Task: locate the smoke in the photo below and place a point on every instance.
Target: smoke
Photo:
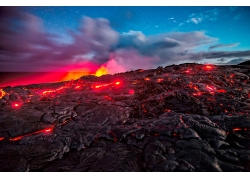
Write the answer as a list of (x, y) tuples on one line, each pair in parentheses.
[(26, 46)]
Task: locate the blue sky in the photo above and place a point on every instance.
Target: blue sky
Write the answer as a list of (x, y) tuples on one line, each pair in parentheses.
[(229, 24), (53, 37)]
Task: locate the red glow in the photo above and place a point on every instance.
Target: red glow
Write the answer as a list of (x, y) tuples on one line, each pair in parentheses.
[(131, 91), (197, 94), (188, 71), (117, 83), (16, 105), (211, 88), (146, 79), (77, 87), (108, 98), (221, 91), (159, 80), (1, 138), (37, 132)]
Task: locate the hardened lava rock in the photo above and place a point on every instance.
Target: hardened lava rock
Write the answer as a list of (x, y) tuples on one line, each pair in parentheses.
[(188, 117)]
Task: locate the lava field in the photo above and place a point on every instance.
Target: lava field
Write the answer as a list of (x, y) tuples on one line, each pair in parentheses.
[(188, 117)]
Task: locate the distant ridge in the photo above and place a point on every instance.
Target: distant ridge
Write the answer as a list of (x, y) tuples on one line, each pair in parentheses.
[(245, 63)]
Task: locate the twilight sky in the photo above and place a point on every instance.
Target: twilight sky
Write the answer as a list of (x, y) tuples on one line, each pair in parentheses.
[(72, 38)]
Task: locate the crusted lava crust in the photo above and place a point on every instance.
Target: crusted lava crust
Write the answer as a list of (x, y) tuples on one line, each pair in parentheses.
[(187, 117)]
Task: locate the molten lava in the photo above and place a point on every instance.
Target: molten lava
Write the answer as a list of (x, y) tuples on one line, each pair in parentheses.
[(37, 132), (101, 71), (2, 93)]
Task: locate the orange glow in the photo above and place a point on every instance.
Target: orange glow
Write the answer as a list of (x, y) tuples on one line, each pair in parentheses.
[(146, 79), (101, 71), (2, 93), (51, 91), (237, 129), (159, 80), (74, 75), (117, 83)]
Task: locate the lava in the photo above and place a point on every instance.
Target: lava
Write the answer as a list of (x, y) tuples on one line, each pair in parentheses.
[(241, 129), (208, 67), (2, 93), (1, 138), (101, 71), (131, 91), (117, 83), (37, 132), (160, 80)]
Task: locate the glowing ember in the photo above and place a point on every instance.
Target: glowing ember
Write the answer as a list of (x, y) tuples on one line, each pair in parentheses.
[(210, 88), (159, 80), (77, 87), (52, 91), (208, 67), (2, 93), (118, 83), (101, 71), (240, 129), (131, 91), (1, 138), (146, 79), (221, 91)]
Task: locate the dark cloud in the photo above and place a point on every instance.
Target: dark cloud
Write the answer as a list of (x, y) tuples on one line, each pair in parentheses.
[(226, 54), (223, 45), (26, 46), (221, 60), (237, 61)]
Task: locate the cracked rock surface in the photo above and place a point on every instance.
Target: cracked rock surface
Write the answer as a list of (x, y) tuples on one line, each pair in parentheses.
[(187, 117)]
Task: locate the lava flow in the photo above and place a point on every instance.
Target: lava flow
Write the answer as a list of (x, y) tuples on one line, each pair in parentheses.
[(46, 130), (142, 118)]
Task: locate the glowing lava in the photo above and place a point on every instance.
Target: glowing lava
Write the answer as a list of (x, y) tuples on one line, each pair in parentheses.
[(1, 138), (208, 67), (2, 93), (117, 83), (131, 91), (37, 132), (101, 71)]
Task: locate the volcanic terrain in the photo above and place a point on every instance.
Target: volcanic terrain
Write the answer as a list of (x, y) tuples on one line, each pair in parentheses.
[(188, 117)]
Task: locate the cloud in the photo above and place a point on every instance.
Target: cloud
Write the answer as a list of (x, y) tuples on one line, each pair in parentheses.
[(226, 54), (223, 45), (196, 18), (221, 60), (237, 61), (26, 46)]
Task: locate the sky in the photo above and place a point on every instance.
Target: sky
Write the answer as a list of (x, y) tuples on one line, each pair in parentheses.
[(121, 38)]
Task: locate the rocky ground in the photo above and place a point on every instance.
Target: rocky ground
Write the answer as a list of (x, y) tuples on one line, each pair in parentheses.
[(187, 117)]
